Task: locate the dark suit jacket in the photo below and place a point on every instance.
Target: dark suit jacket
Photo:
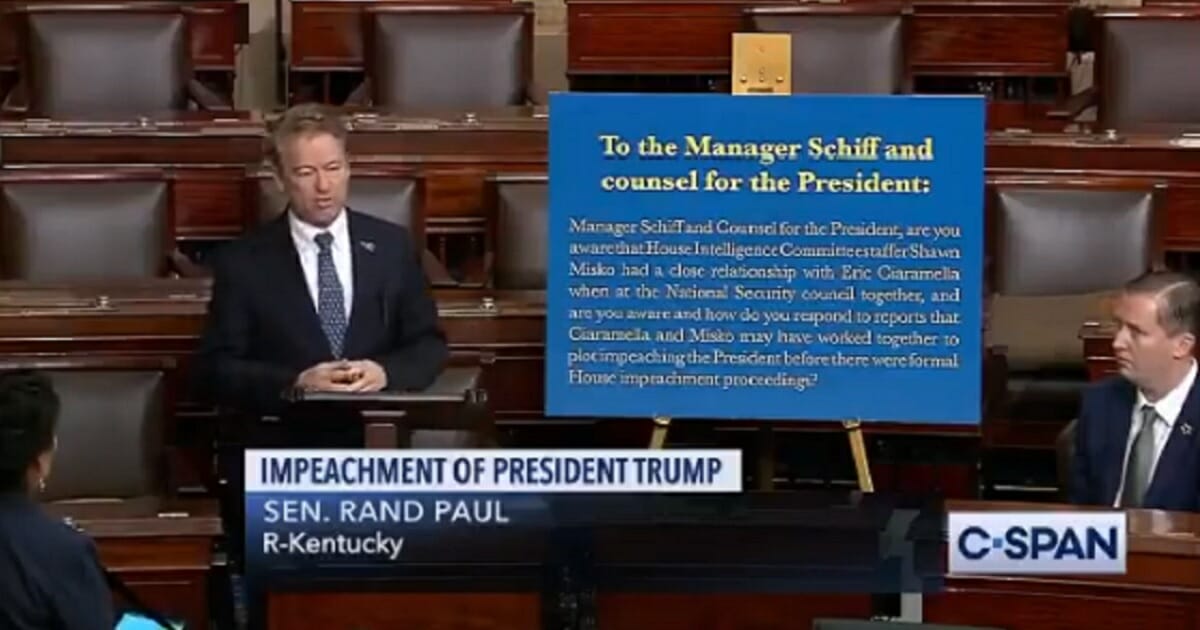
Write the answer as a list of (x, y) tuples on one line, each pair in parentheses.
[(1102, 434), (50, 578), (263, 330)]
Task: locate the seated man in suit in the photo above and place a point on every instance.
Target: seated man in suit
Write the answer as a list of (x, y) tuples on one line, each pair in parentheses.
[(323, 298), (1136, 439)]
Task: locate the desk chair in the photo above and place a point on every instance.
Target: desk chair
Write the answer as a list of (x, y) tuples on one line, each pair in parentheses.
[(1062, 246), (842, 48), (111, 443), (80, 226), (118, 60), (112, 459), (857, 624), (1145, 71), (518, 214), (464, 57)]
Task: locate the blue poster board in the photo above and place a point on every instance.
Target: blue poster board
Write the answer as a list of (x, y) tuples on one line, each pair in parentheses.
[(776, 258)]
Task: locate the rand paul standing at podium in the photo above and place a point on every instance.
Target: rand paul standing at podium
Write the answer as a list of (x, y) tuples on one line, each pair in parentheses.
[(322, 298), (1137, 443)]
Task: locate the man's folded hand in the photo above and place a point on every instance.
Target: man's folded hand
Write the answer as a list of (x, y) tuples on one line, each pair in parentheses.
[(343, 376), (368, 376), (331, 376)]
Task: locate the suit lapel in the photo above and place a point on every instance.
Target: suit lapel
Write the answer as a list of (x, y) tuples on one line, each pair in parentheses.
[(291, 289), (367, 296), (1179, 447), (1119, 424)]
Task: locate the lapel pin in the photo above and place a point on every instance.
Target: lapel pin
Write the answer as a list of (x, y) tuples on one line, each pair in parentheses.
[(368, 245), (1185, 429)]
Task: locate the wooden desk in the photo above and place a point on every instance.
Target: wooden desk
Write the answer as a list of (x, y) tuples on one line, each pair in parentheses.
[(1016, 52), (162, 549), (1176, 160), (165, 317), (1161, 588), (513, 136), (160, 318), (506, 333), (208, 156), (217, 28)]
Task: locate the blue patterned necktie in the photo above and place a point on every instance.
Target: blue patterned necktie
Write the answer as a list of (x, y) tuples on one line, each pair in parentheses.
[(331, 307)]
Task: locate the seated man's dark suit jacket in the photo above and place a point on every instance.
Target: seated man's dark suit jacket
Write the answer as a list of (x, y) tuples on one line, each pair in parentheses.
[(263, 330), (1101, 436)]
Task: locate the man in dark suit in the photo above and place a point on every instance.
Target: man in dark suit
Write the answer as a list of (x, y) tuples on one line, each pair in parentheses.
[(1136, 439), (322, 298)]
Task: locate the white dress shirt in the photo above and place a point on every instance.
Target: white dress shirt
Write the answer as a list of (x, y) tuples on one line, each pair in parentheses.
[(1168, 408), (304, 235)]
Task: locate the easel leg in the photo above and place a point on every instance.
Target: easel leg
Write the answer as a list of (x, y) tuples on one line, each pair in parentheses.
[(659, 437), (766, 458), (858, 450)]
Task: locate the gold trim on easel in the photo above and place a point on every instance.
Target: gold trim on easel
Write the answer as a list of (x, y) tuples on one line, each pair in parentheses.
[(858, 450), (659, 437)]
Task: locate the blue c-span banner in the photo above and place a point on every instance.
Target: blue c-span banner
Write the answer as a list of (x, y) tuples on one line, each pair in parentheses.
[(806, 258), (1068, 543)]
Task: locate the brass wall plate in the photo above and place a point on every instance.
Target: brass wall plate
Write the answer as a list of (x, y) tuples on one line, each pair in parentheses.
[(762, 63)]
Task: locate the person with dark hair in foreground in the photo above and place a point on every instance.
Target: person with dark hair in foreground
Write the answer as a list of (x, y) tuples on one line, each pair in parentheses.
[(50, 576), (1136, 439)]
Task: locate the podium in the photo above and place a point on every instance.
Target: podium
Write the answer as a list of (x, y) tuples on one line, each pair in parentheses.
[(1160, 588), (454, 402)]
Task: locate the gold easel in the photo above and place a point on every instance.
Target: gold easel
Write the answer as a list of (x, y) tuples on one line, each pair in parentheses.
[(858, 450), (762, 64)]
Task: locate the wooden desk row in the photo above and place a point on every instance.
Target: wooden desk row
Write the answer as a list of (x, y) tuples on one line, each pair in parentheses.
[(212, 160), (1015, 52), (208, 159), (503, 333)]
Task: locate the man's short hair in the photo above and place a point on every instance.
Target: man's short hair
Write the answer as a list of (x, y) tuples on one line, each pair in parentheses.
[(302, 120), (1178, 297)]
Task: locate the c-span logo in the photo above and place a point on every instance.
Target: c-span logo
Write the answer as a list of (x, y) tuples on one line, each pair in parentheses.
[(1037, 542)]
